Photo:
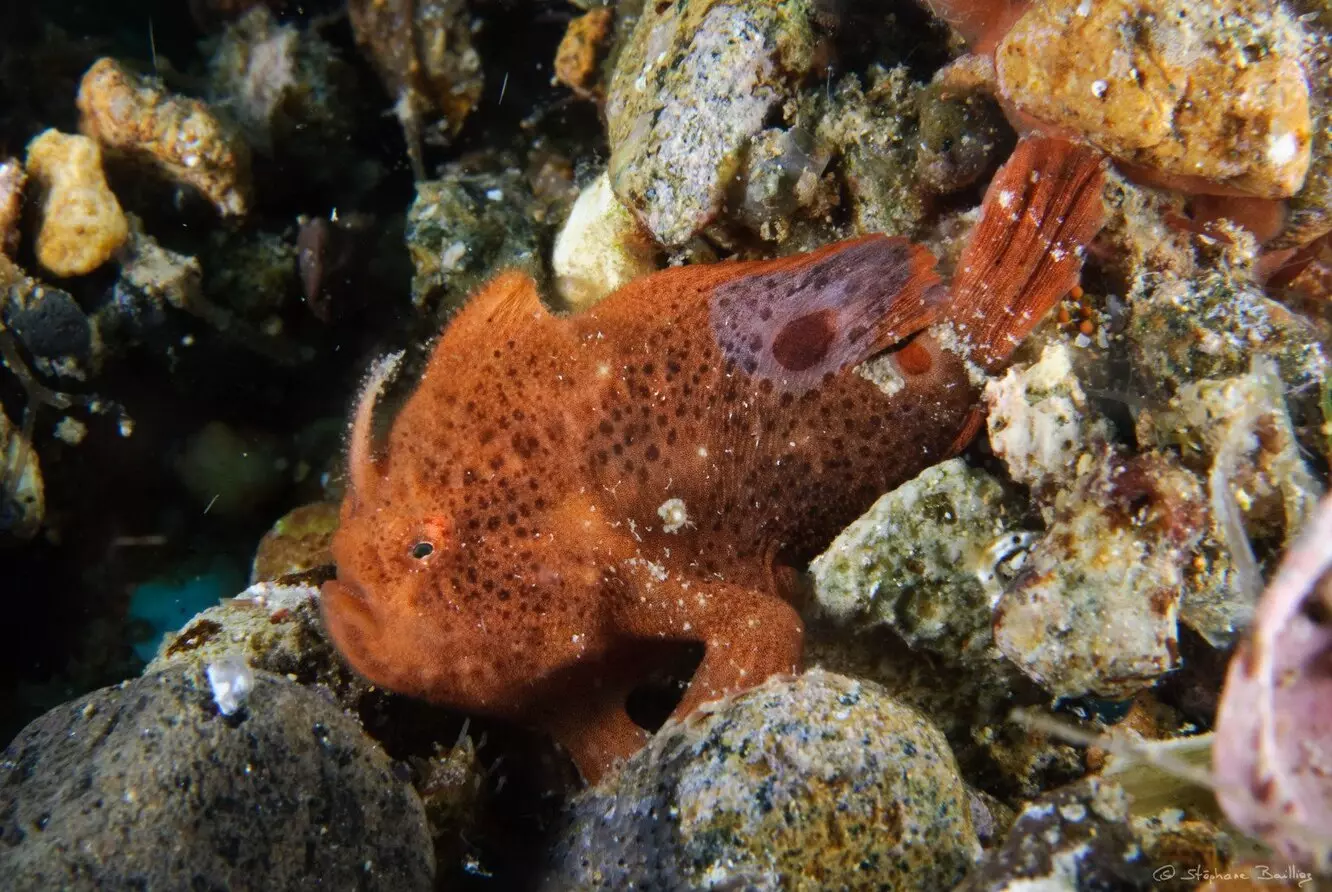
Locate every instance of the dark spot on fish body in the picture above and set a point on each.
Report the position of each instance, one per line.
(804, 342)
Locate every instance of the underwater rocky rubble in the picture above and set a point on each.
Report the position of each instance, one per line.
(211, 226)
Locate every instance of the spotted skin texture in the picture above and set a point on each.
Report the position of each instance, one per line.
(505, 552)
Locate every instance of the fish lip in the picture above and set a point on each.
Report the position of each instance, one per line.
(345, 586)
(346, 602)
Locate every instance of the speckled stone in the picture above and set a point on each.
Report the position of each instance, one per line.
(928, 559)
(875, 128)
(272, 627)
(1186, 329)
(1095, 607)
(689, 91)
(464, 226)
(182, 138)
(147, 786)
(1212, 91)
(1073, 839)
(817, 782)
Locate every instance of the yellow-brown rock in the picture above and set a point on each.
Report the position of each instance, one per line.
(580, 52)
(12, 180)
(80, 223)
(297, 543)
(1208, 94)
(179, 136)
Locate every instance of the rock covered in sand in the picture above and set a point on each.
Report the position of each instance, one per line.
(148, 785)
(820, 781)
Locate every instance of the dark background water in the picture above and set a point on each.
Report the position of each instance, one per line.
(117, 513)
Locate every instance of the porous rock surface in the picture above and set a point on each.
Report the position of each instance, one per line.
(147, 786)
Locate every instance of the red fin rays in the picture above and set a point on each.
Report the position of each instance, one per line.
(798, 319)
(1039, 213)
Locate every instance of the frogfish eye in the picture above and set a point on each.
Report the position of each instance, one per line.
(422, 550)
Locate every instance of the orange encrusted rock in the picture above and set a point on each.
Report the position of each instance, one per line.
(1211, 95)
(180, 137)
(80, 223)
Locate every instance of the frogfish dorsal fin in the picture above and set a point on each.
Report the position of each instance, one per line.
(506, 303)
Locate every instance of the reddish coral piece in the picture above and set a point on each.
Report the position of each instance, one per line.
(559, 495)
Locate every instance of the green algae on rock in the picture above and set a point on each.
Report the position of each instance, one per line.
(875, 130)
(814, 782)
(783, 175)
(464, 226)
(251, 273)
(962, 137)
(928, 559)
(692, 87)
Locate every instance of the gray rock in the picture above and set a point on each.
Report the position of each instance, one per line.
(817, 782)
(928, 559)
(466, 225)
(1212, 325)
(690, 90)
(1074, 839)
(148, 786)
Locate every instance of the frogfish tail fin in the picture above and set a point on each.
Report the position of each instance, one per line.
(1040, 212)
